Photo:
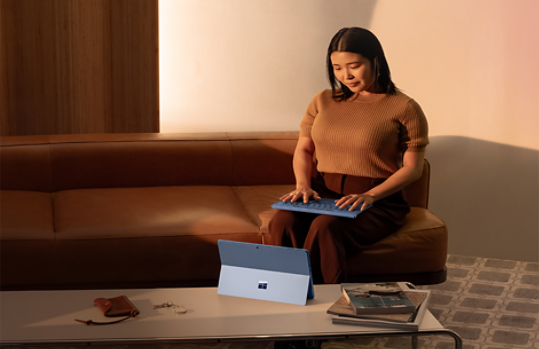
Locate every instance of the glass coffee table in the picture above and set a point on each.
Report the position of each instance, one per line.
(47, 317)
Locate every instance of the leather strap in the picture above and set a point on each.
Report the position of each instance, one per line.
(90, 322)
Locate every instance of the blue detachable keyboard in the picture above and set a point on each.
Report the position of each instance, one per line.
(322, 206)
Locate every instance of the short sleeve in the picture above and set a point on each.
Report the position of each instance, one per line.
(414, 130)
(307, 122)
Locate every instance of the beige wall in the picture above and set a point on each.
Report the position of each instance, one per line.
(242, 65)
(473, 65)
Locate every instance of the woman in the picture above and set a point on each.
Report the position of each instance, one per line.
(370, 141)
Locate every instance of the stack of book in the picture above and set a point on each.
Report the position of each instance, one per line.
(393, 305)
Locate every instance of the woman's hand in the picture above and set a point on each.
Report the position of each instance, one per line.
(355, 200)
(305, 193)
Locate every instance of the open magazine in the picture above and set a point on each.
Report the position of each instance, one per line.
(377, 298)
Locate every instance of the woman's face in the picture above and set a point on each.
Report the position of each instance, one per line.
(354, 71)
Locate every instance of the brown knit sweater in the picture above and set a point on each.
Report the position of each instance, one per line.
(365, 139)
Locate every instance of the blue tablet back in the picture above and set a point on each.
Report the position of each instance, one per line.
(274, 273)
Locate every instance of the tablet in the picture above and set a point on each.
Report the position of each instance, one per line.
(265, 272)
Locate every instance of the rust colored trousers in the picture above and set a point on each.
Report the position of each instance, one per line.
(330, 239)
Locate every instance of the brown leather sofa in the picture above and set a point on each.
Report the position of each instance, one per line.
(146, 210)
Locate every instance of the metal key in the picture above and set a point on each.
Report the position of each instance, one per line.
(170, 304)
(167, 304)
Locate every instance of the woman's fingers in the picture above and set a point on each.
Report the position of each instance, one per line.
(364, 201)
(342, 200)
(356, 204)
(288, 197)
(298, 194)
(346, 201)
(351, 200)
(307, 195)
(354, 201)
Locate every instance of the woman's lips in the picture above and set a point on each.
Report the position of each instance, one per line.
(353, 85)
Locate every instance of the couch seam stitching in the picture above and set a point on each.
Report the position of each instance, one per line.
(244, 210)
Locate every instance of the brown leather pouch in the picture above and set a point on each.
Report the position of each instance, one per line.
(111, 307)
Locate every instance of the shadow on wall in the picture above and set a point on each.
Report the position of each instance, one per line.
(487, 193)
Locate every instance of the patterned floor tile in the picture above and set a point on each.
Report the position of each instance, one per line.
(516, 322)
(513, 338)
(532, 267)
(480, 303)
(521, 307)
(500, 264)
(529, 280)
(463, 260)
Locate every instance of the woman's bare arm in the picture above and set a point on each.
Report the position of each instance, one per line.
(302, 164)
(411, 170)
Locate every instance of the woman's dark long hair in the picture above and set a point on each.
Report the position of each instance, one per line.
(365, 43)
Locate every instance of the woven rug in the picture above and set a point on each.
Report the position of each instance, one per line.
(490, 303)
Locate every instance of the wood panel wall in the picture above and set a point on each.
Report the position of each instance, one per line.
(78, 66)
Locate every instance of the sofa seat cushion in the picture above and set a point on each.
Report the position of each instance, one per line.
(420, 246)
(182, 260)
(147, 212)
(257, 201)
(26, 215)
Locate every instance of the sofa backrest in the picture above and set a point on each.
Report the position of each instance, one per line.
(25, 163)
(83, 161)
(262, 158)
(62, 162)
